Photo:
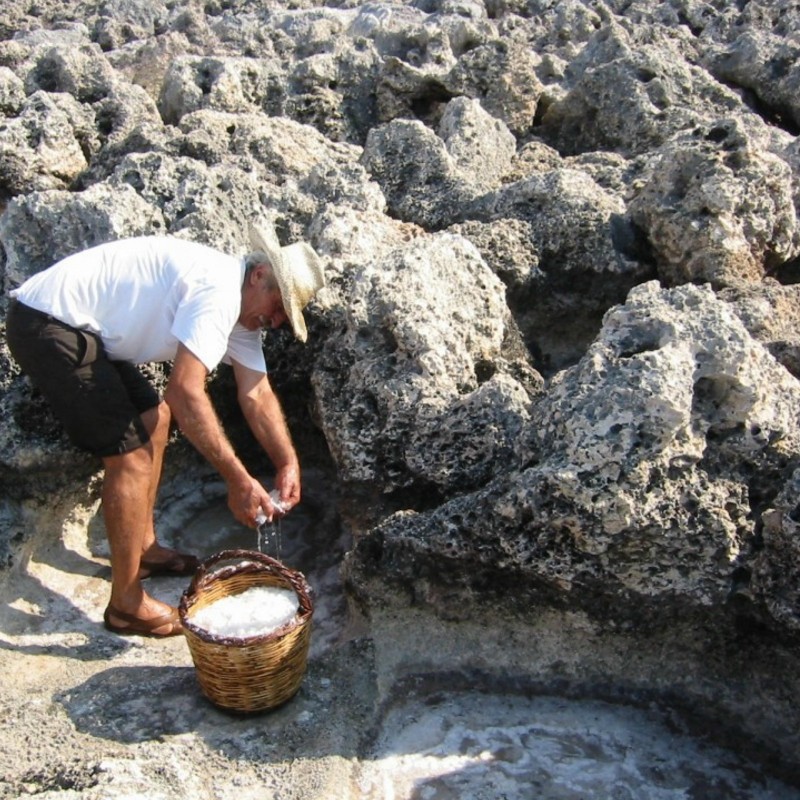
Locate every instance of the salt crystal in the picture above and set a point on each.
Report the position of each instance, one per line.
(253, 612)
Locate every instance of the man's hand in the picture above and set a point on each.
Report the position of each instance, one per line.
(287, 482)
(246, 499)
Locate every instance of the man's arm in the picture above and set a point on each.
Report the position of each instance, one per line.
(264, 415)
(187, 398)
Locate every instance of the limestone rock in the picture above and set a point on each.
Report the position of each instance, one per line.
(631, 98)
(487, 183)
(775, 571)
(739, 197)
(771, 314)
(416, 173)
(553, 375)
(43, 227)
(12, 92)
(220, 84)
(678, 409)
(42, 147)
(765, 63)
(418, 358)
(566, 252)
(82, 72)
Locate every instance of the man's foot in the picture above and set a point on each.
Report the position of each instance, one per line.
(162, 561)
(125, 624)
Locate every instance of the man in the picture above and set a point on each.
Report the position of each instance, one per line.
(78, 330)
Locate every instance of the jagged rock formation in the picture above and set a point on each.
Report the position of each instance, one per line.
(559, 351)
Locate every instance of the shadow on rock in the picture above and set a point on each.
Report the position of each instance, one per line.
(133, 705)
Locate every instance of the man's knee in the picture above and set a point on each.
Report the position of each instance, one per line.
(157, 421)
(132, 464)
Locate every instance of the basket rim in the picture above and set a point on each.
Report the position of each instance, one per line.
(253, 562)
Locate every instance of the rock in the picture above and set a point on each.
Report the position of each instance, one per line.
(43, 227)
(765, 63)
(631, 98)
(416, 173)
(82, 72)
(678, 409)
(122, 21)
(413, 365)
(552, 380)
(773, 577)
(43, 145)
(771, 314)
(12, 92)
(220, 84)
(740, 201)
(481, 146)
(566, 252)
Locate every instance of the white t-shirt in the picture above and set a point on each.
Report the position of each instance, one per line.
(142, 296)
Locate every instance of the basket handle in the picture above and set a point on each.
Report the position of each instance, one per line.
(230, 555)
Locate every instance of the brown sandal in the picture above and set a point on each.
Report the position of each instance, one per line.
(142, 627)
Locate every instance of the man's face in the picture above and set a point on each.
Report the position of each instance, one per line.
(262, 306)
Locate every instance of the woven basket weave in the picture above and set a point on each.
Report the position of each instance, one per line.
(257, 672)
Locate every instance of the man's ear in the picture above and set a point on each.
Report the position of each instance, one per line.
(257, 274)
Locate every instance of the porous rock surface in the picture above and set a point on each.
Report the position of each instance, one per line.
(554, 373)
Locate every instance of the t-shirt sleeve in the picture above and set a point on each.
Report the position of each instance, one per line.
(245, 347)
(203, 324)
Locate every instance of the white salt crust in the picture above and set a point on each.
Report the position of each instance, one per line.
(254, 612)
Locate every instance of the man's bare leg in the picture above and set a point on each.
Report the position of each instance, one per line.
(156, 421)
(129, 486)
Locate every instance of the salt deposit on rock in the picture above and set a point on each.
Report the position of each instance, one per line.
(256, 611)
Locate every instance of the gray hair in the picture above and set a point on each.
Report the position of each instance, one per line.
(257, 258)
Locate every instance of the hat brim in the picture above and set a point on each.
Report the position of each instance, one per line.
(265, 240)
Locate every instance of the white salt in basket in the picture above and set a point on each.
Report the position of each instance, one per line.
(253, 673)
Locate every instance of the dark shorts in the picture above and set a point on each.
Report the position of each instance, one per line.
(97, 400)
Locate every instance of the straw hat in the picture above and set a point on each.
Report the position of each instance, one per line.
(297, 269)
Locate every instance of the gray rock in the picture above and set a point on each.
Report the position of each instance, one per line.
(45, 145)
(740, 201)
(631, 98)
(555, 472)
(481, 145)
(80, 71)
(418, 359)
(771, 314)
(567, 252)
(416, 173)
(639, 496)
(39, 229)
(12, 92)
(220, 84)
(123, 21)
(765, 63)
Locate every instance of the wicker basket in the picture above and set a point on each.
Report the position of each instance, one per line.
(257, 672)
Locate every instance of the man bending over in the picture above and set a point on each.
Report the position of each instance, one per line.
(80, 328)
